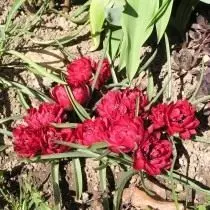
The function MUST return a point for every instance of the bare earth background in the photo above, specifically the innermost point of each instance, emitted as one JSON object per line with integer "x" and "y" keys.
{"x": 194, "y": 157}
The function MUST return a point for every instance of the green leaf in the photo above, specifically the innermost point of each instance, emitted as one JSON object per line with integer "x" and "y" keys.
{"x": 183, "y": 14}
{"x": 114, "y": 43}
{"x": 168, "y": 55}
{"x": 179, "y": 178}
{"x": 97, "y": 17}
{"x": 81, "y": 112}
{"x": 36, "y": 68}
{"x": 103, "y": 155}
{"x": 206, "y": 1}
{"x": 201, "y": 207}
{"x": 77, "y": 171}
{"x": 79, "y": 153}
{"x": 31, "y": 92}
{"x": 72, "y": 145}
{"x": 22, "y": 100}
{"x": 135, "y": 21}
{"x": 64, "y": 125}
{"x": 16, "y": 117}
{"x": 99, "y": 145}
{"x": 114, "y": 14}
{"x": 2, "y": 36}
{"x": 26, "y": 90}
{"x": 56, "y": 188}
{"x": 201, "y": 139}
{"x": 162, "y": 22}
{"x": 5, "y": 132}
{"x": 103, "y": 185}
{"x": 3, "y": 147}
{"x": 62, "y": 40}
{"x": 80, "y": 16}
{"x": 16, "y": 5}
{"x": 150, "y": 86}
{"x": 123, "y": 51}
{"x": 149, "y": 61}
{"x": 120, "y": 187}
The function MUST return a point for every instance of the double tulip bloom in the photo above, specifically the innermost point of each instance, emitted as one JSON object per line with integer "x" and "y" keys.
{"x": 80, "y": 76}
{"x": 139, "y": 133}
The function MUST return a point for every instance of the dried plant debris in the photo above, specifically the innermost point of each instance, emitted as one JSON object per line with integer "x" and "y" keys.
{"x": 32, "y": 6}
{"x": 139, "y": 199}
{"x": 205, "y": 85}
{"x": 184, "y": 60}
{"x": 197, "y": 45}
{"x": 199, "y": 36}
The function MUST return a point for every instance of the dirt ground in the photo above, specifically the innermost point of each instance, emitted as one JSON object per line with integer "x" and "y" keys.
{"x": 194, "y": 157}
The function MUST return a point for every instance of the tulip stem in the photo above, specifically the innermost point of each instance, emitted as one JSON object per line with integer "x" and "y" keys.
{"x": 55, "y": 181}
{"x": 201, "y": 100}
{"x": 179, "y": 178}
{"x": 158, "y": 95}
{"x": 169, "y": 92}
{"x": 174, "y": 195}
{"x": 100, "y": 62}
{"x": 142, "y": 176}
{"x": 5, "y": 132}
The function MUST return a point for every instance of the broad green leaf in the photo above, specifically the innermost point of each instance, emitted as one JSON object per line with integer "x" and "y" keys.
{"x": 201, "y": 207}
{"x": 36, "y": 68}
{"x": 135, "y": 21}
{"x": 114, "y": 43}
{"x": 162, "y": 23}
{"x": 123, "y": 51}
{"x": 113, "y": 15}
{"x": 183, "y": 14}
{"x": 206, "y": 1}
{"x": 120, "y": 187}
{"x": 150, "y": 86}
{"x": 16, "y": 5}
{"x": 77, "y": 171}
{"x": 55, "y": 182}
{"x": 97, "y": 17}
{"x": 168, "y": 55}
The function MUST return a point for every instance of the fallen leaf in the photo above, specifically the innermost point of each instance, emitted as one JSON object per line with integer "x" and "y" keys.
{"x": 139, "y": 199}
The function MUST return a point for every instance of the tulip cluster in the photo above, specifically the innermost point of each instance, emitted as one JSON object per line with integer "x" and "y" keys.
{"x": 80, "y": 76}
{"x": 121, "y": 120}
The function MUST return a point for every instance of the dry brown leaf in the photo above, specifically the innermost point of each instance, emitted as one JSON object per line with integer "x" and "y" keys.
{"x": 140, "y": 199}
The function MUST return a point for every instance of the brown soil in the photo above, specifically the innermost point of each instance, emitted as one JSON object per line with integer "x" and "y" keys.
{"x": 194, "y": 157}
